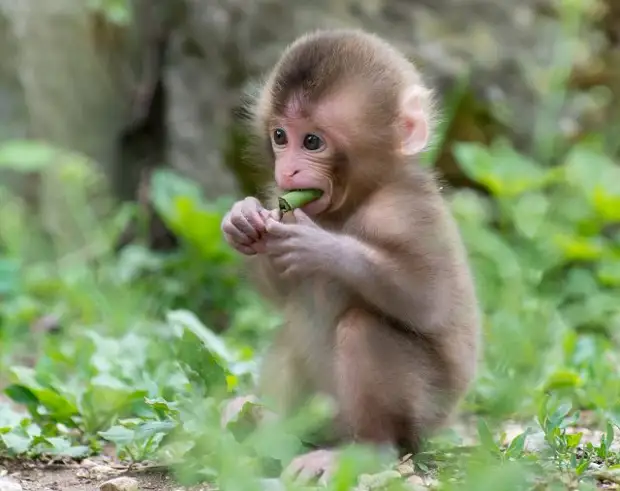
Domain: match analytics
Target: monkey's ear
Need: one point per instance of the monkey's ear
(414, 121)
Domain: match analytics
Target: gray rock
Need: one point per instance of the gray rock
(8, 484)
(218, 52)
(66, 84)
(120, 484)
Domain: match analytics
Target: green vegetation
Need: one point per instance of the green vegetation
(135, 362)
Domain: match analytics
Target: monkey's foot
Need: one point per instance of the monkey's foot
(316, 464)
(234, 407)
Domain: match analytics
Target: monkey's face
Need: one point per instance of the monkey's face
(304, 159)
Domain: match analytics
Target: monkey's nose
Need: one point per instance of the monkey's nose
(285, 178)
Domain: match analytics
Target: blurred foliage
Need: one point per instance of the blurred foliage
(117, 12)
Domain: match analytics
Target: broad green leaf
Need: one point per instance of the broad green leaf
(9, 418)
(580, 248)
(185, 320)
(608, 271)
(9, 276)
(15, 443)
(562, 379)
(500, 168)
(27, 155)
(166, 187)
(162, 405)
(118, 435)
(529, 213)
(62, 447)
(573, 439)
(560, 413)
(151, 428)
(517, 445)
(469, 205)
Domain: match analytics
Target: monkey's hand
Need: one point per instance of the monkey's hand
(317, 464)
(300, 248)
(244, 225)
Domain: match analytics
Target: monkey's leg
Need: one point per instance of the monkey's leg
(380, 381)
(380, 389)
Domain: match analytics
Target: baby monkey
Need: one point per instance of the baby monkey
(372, 277)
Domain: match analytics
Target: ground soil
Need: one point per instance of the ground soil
(86, 476)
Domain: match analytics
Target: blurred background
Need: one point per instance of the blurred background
(125, 319)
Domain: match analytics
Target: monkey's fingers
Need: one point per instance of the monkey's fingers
(243, 224)
(253, 212)
(244, 249)
(303, 469)
(267, 214)
(302, 218)
(234, 234)
(276, 228)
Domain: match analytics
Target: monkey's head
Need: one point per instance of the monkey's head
(341, 111)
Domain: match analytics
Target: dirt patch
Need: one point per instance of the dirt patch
(86, 476)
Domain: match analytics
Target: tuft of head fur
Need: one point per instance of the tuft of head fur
(323, 62)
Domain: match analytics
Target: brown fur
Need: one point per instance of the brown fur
(397, 353)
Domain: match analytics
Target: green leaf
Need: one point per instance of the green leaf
(560, 413)
(486, 437)
(27, 155)
(530, 213)
(185, 320)
(9, 276)
(582, 467)
(9, 418)
(580, 248)
(500, 168)
(62, 447)
(609, 434)
(517, 445)
(561, 379)
(118, 435)
(608, 271)
(15, 443)
(166, 187)
(151, 428)
(162, 405)
(573, 440)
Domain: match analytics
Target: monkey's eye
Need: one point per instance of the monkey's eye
(279, 137)
(312, 142)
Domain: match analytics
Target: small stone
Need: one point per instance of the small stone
(88, 463)
(82, 474)
(406, 469)
(368, 482)
(272, 485)
(99, 472)
(120, 484)
(8, 484)
(416, 483)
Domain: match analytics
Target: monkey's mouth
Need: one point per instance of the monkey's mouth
(311, 200)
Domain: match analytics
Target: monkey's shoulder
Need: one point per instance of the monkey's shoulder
(400, 208)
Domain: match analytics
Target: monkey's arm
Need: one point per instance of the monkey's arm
(404, 285)
(408, 268)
